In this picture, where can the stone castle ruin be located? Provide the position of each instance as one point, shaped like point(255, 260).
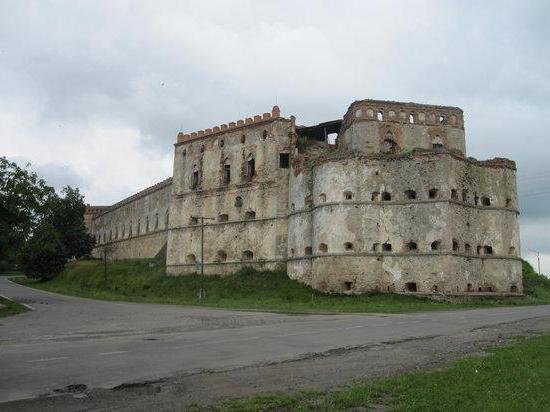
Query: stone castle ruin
point(393, 205)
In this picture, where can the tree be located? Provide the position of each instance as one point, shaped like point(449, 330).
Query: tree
point(23, 198)
point(43, 255)
point(66, 215)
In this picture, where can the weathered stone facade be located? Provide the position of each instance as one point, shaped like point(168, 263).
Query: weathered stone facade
point(395, 205)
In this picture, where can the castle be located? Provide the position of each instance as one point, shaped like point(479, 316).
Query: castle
point(392, 205)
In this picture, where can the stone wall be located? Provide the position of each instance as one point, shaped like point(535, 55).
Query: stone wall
point(372, 224)
point(246, 212)
point(136, 227)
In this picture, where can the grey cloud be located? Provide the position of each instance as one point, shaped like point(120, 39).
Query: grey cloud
point(169, 66)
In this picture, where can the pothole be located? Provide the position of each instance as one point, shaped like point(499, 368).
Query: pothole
point(75, 388)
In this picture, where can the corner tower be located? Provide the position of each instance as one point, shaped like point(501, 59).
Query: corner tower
point(398, 207)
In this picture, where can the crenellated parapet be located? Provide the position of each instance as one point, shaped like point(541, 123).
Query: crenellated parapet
point(403, 113)
point(231, 126)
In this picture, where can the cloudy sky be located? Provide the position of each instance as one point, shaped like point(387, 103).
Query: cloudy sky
point(92, 93)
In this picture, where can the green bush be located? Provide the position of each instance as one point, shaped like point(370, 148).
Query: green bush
point(43, 255)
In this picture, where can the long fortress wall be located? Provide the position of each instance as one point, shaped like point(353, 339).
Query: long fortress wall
point(136, 227)
point(394, 206)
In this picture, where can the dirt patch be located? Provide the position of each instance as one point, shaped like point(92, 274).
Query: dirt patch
point(322, 371)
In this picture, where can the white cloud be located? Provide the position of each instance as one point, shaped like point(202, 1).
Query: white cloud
point(101, 88)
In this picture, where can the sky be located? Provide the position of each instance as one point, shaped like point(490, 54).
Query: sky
point(93, 93)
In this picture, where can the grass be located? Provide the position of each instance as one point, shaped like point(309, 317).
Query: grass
point(512, 378)
point(8, 308)
point(145, 281)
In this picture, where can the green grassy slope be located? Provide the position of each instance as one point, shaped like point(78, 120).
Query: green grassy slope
point(8, 308)
point(145, 281)
point(513, 378)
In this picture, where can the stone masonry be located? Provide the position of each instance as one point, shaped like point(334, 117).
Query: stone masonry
point(393, 205)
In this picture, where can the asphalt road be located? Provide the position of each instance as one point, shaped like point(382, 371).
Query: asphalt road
point(68, 341)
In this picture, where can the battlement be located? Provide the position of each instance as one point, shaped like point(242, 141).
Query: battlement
point(231, 126)
point(403, 113)
point(95, 210)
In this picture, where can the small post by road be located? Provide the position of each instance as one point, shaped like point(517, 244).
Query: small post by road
point(202, 292)
point(105, 263)
point(538, 258)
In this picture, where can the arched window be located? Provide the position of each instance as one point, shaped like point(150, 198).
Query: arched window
point(167, 218)
point(223, 218)
point(454, 194)
point(323, 247)
point(322, 198)
point(389, 145)
point(488, 250)
point(156, 221)
point(247, 255)
point(195, 178)
point(221, 256)
point(386, 196)
point(410, 194)
point(226, 173)
point(348, 195)
point(264, 134)
point(375, 247)
point(437, 143)
point(436, 245)
point(411, 246)
point(464, 196)
point(432, 193)
point(308, 251)
point(238, 201)
point(486, 201)
point(380, 116)
point(147, 224)
point(411, 118)
point(467, 248)
point(386, 247)
point(190, 258)
point(348, 246)
point(243, 139)
point(410, 286)
point(138, 231)
point(250, 167)
point(456, 247)
point(375, 197)
point(130, 229)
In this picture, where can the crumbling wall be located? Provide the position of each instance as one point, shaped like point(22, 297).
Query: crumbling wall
point(370, 124)
point(246, 214)
point(388, 222)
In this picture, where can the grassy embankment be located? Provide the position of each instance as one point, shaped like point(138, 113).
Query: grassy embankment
point(513, 378)
point(8, 308)
point(145, 281)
